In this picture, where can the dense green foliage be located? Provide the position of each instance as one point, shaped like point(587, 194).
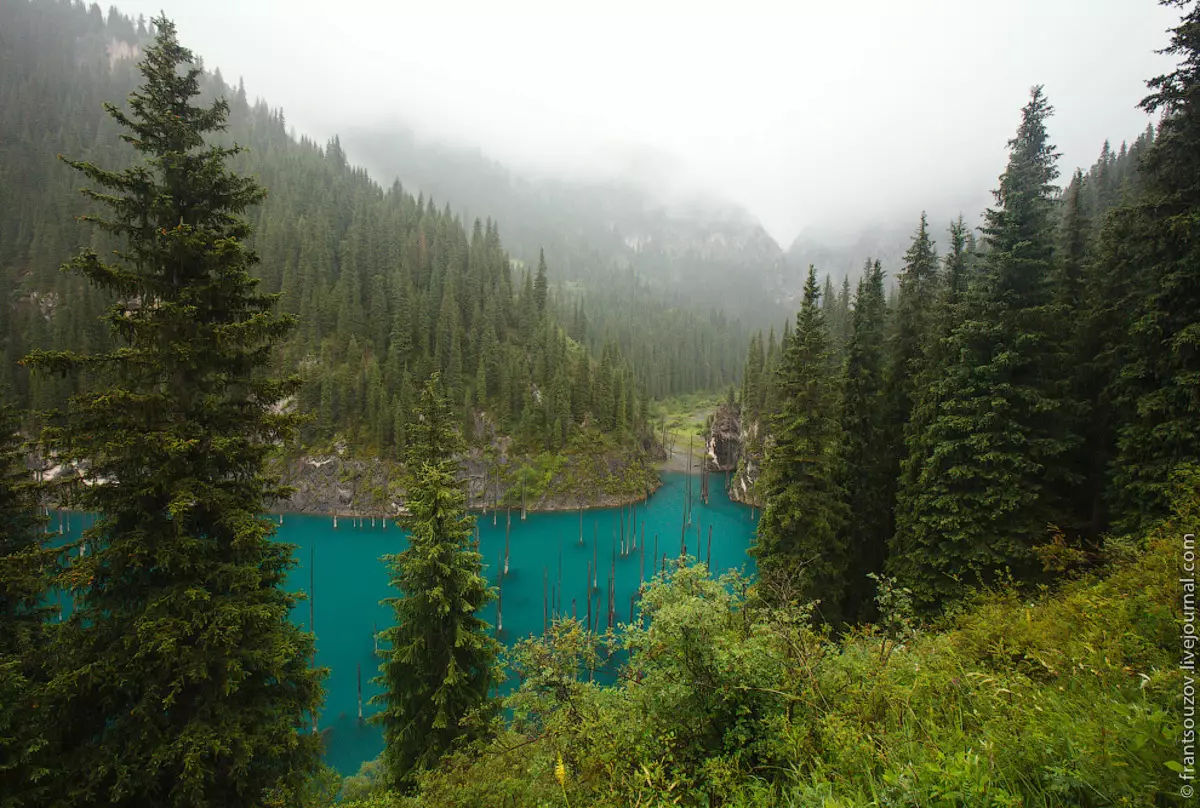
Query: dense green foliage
point(1038, 387)
point(439, 666)
point(864, 468)
point(25, 566)
point(1154, 243)
point(982, 497)
point(1066, 700)
point(177, 678)
point(388, 287)
point(799, 544)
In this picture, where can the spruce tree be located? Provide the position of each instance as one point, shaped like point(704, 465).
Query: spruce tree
point(918, 283)
point(799, 533)
point(991, 453)
point(1073, 248)
point(541, 286)
point(752, 380)
point(865, 465)
point(908, 339)
point(440, 663)
point(25, 568)
point(1080, 362)
point(1157, 242)
point(178, 678)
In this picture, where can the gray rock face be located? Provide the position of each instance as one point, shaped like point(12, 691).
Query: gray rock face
point(734, 446)
point(356, 487)
point(335, 484)
point(724, 440)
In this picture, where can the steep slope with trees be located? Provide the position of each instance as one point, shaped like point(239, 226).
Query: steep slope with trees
point(387, 287)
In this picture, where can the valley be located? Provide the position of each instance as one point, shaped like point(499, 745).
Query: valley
point(377, 470)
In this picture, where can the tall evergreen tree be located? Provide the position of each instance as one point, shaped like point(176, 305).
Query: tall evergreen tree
point(992, 452)
point(865, 464)
point(799, 534)
point(752, 380)
point(179, 679)
point(906, 345)
point(1072, 327)
point(439, 667)
point(25, 568)
point(1073, 249)
point(910, 329)
point(1157, 387)
point(541, 286)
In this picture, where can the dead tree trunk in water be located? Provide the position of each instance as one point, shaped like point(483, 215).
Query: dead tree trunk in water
point(612, 598)
point(642, 566)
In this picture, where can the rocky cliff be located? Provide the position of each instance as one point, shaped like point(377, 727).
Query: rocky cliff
point(734, 447)
point(583, 476)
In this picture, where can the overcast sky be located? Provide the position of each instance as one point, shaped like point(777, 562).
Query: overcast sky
point(819, 116)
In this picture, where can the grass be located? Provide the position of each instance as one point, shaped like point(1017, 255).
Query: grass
point(1056, 697)
point(686, 419)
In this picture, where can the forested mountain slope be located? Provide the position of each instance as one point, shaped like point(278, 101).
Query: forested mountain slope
point(388, 286)
point(698, 253)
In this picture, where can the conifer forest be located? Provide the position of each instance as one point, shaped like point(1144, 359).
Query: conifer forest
point(945, 447)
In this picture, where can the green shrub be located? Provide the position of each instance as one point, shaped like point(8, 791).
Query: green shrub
point(1065, 698)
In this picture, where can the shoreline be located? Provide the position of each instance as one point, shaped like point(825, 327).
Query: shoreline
point(365, 488)
point(555, 506)
point(477, 510)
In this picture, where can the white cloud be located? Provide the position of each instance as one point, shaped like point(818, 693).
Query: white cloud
point(811, 114)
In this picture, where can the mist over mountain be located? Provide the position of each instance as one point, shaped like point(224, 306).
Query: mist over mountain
point(842, 254)
point(689, 244)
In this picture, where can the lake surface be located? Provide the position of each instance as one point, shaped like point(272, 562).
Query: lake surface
point(348, 580)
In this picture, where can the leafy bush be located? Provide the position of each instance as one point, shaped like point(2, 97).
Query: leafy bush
point(1068, 698)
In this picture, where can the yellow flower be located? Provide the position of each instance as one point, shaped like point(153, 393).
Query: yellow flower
point(560, 771)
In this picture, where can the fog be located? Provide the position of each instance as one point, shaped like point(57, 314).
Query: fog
point(815, 116)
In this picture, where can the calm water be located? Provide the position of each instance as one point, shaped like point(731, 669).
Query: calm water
point(348, 582)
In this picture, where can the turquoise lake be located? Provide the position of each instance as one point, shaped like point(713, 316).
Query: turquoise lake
point(348, 581)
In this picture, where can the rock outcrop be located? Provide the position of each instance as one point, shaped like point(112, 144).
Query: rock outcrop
point(339, 484)
point(734, 447)
point(724, 439)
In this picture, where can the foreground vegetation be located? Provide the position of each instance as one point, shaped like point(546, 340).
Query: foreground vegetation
point(1067, 698)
